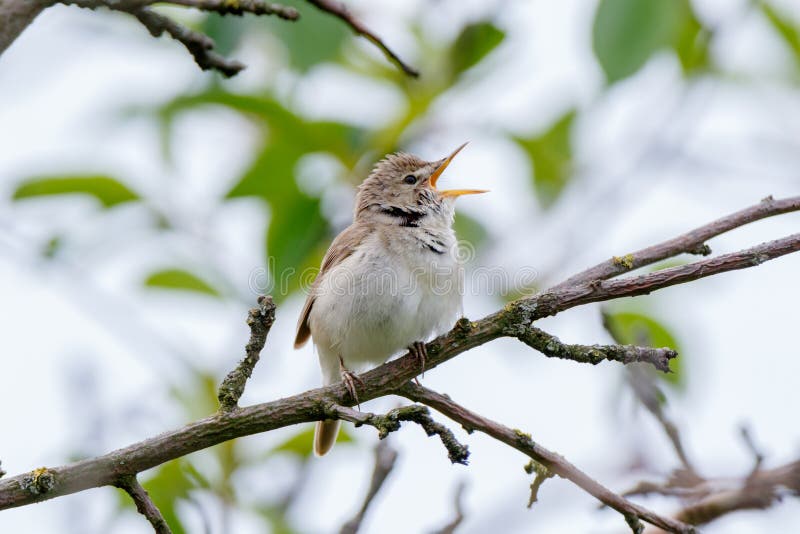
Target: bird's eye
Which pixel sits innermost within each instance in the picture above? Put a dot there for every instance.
(410, 179)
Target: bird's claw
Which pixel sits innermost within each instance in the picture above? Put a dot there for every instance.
(349, 379)
(419, 350)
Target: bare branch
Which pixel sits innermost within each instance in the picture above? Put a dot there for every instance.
(552, 461)
(760, 490)
(338, 9)
(16, 16)
(691, 242)
(456, 452)
(144, 504)
(385, 458)
(260, 321)
(552, 347)
(458, 504)
(554, 301)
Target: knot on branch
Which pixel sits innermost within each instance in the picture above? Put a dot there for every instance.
(39, 481)
(260, 321)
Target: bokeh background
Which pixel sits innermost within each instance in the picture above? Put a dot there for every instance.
(142, 202)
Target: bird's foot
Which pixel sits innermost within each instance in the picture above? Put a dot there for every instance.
(349, 379)
(419, 350)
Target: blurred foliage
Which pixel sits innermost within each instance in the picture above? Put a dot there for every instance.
(632, 328)
(179, 279)
(551, 155)
(788, 30)
(627, 33)
(107, 190)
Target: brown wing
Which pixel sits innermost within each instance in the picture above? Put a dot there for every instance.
(342, 247)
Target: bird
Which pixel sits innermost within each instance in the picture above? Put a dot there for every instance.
(389, 281)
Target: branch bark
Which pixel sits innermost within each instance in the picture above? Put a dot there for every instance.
(692, 242)
(260, 321)
(553, 462)
(16, 15)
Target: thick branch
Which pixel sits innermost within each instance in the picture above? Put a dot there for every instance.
(552, 461)
(144, 504)
(552, 347)
(338, 9)
(692, 242)
(260, 321)
(16, 15)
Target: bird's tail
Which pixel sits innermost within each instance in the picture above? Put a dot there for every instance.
(325, 436)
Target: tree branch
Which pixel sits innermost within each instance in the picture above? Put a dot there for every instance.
(456, 452)
(552, 347)
(144, 504)
(16, 15)
(692, 242)
(552, 461)
(260, 321)
(338, 9)
(385, 458)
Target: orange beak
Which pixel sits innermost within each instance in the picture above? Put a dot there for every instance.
(451, 192)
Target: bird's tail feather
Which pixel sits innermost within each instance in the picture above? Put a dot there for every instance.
(325, 436)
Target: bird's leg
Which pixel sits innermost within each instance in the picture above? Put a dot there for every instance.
(419, 350)
(349, 378)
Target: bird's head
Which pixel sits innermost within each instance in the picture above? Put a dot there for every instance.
(401, 189)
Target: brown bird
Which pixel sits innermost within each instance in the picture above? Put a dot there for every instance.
(389, 281)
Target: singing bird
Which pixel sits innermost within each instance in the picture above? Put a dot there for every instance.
(389, 281)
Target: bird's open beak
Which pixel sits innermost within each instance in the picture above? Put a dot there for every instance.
(451, 192)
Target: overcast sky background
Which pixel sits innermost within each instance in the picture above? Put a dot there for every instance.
(84, 331)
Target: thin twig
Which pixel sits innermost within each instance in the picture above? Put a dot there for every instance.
(552, 461)
(338, 9)
(260, 321)
(456, 452)
(144, 504)
(385, 458)
(198, 44)
(458, 505)
(692, 242)
(552, 347)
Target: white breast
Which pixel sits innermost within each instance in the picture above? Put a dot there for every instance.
(392, 291)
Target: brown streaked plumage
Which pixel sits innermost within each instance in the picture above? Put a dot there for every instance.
(377, 292)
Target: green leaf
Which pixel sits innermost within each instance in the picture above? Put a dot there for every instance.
(626, 33)
(789, 32)
(315, 38)
(179, 279)
(225, 31)
(295, 234)
(474, 43)
(629, 328)
(301, 444)
(551, 157)
(107, 190)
